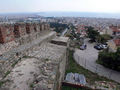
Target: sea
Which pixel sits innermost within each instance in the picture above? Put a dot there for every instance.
(80, 14)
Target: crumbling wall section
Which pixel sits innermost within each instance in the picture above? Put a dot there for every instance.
(10, 58)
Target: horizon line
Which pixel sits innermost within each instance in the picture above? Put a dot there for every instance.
(59, 12)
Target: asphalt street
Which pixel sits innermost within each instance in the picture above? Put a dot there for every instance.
(87, 58)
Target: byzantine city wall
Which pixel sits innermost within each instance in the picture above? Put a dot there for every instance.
(20, 39)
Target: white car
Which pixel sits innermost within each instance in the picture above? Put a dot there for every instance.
(83, 47)
(104, 46)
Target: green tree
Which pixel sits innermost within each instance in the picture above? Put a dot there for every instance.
(59, 27)
(110, 59)
(103, 38)
(92, 34)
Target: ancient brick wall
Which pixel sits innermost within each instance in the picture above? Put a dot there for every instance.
(25, 45)
(16, 42)
(29, 28)
(19, 30)
(6, 33)
(42, 27)
(12, 32)
(18, 35)
(7, 59)
(36, 27)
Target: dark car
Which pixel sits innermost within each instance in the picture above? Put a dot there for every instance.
(98, 47)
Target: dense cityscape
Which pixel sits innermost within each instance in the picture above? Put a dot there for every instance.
(92, 41)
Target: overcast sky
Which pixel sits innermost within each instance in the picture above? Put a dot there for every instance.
(108, 6)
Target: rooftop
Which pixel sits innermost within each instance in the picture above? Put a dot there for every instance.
(117, 42)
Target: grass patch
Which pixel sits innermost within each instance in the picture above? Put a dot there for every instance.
(78, 46)
(6, 74)
(13, 65)
(99, 62)
(76, 68)
(3, 82)
(71, 88)
(28, 57)
(46, 59)
(31, 85)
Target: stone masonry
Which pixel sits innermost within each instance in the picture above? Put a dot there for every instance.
(35, 43)
(44, 68)
(10, 32)
(6, 33)
(12, 47)
(19, 30)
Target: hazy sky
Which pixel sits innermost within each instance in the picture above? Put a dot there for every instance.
(108, 6)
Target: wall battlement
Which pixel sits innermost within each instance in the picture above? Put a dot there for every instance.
(9, 32)
(13, 35)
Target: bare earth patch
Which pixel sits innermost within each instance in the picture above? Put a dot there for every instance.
(23, 74)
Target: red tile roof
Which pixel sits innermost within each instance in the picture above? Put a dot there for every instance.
(117, 42)
(115, 28)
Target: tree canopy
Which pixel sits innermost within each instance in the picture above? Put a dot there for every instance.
(103, 38)
(95, 36)
(92, 34)
(110, 59)
(59, 27)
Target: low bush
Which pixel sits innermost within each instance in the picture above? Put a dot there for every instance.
(110, 59)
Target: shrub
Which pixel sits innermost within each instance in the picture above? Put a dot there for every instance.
(110, 59)
(103, 38)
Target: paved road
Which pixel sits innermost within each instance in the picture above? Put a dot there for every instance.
(64, 32)
(87, 58)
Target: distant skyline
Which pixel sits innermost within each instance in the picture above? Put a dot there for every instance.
(99, 6)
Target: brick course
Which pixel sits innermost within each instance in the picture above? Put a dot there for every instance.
(19, 30)
(29, 28)
(41, 27)
(6, 33)
(9, 32)
(36, 27)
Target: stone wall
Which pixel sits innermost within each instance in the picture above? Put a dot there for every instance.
(19, 30)
(61, 71)
(21, 47)
(25, 44)
(52, 65)
(6, 33)
(10, 32)
(19, 33)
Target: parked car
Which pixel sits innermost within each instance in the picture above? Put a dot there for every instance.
(104, 46)
(100, 46)
(83, 47)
